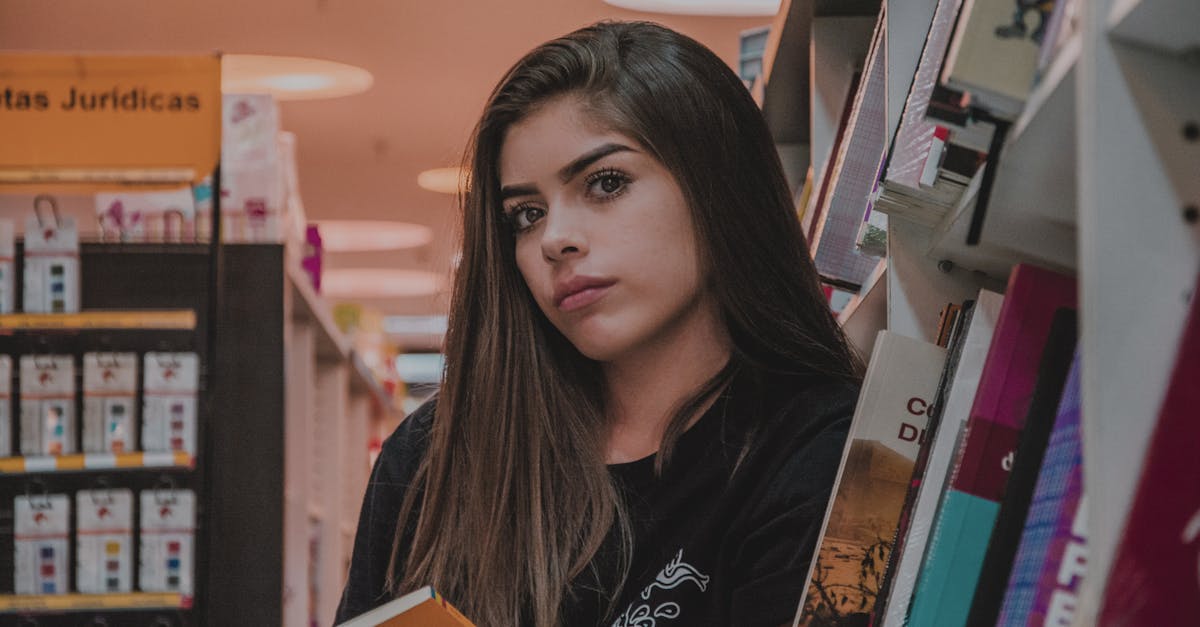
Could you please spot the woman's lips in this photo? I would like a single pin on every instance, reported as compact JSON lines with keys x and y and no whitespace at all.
{"x":580,"y":291}
{"x":582,"y":298}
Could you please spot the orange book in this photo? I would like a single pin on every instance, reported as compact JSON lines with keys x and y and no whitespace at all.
{"x":421,"y":608}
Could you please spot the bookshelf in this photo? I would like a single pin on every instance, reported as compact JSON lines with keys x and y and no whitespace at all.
{"x":1094,"y":180}
{"x":1167,"y":25}
{"x":1137,"y":255}
{"x":333,"y":405}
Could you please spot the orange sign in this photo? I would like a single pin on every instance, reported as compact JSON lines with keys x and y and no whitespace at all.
{"x":105,"y":121}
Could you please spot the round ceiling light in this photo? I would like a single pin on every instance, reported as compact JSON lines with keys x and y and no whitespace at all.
{"x":291,"y":78}
{"x":367,"y":283}
{"x":340,"y":236}
{"x":443,"y":180}
{"x":702,"y":7}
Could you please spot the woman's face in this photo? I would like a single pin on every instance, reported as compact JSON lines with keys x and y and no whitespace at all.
{"x":603,"y":236}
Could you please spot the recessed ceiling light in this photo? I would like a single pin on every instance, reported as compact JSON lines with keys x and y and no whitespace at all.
{"x":363,"y":235}
{"x":701,"y":7}
{"x":291,"y":78}
{"x":444,"y":180}
{"x":367,"y":283}
{"x":298,"y":82}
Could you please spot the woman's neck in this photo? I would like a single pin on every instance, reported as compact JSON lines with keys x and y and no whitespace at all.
{"x":647,"y":386}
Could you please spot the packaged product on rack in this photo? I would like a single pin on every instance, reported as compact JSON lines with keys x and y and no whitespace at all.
{"x":103,"y":541}
{"x":252,"y":176}
{"x":168,"y":527}
{"x":41,"y":533}
{"x":6,"y":422}
{"x":8,"y":286}
{"x":51,"y":276}
{"x":109,"y":402}
{"x":158,"y":216}
{"x":47,"y":404}
{"x":313,"y":253}
{"x":169,"y":407}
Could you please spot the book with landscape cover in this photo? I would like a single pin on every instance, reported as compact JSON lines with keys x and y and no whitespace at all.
{"x":1155,"y":575}
{"x":1039,"y":422}
{"x":421,"y":608}
{"x":964,"y":521}
{"x":872,"y":479}
{"x":941,"y":439}
{"x":1052,"y":555}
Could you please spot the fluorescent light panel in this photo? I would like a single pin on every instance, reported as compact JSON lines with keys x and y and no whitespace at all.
{"x":420,"y":367}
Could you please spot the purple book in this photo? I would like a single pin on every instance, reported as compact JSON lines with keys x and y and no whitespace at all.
{"x":1052,"y":554}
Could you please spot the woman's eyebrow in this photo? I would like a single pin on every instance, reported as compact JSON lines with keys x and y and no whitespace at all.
{"x":573,"y":168}
{"x":568,"y":171}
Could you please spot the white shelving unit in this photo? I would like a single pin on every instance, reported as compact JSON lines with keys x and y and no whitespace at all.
{"x":1137,"y":256}
{"x":333,"y":405}
{"x":1093,"y":181}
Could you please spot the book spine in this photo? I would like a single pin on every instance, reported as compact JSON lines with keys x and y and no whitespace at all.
{"x":1050,"y":534}
{"x":970,"y":506}
{"x":956,"y":336}
{"x":946,"y":443}
{"x":1039,"y":422}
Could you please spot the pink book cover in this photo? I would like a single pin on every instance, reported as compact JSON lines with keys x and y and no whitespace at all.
{"x":1008,"y":378}
{"x":1155,"y":576}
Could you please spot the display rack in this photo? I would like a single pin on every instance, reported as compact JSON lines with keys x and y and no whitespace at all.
{"x":1095,"y":180}
{"x":136,"y":299}
{"x":132,"y":297}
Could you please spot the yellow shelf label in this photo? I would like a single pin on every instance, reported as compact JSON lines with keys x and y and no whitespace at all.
{"x":183,"y":319}
{"x":95,"y":461}
{"x":66,"y":602}
{"x":71,"y":462}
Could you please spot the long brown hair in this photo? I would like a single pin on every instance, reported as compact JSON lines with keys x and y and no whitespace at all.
{"x":513,"y":498}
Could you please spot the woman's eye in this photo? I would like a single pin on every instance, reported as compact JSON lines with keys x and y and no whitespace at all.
{"x":607,"y":184}
{"x":525,"y":216}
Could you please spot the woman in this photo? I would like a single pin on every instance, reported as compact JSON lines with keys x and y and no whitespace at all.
{"x":646,"y":396}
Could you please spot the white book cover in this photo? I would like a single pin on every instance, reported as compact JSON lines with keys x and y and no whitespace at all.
{"x":954,"y":418}
{"x":994,"y":53}
{"x":872,"y":481}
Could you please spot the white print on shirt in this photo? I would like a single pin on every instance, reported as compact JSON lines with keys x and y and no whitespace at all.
{"x":673,"y":575}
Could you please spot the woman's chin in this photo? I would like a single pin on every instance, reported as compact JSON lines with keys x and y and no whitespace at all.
{"x":598,"y":345}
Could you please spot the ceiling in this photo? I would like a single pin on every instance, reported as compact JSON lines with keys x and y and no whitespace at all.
{"x":434,"y":64}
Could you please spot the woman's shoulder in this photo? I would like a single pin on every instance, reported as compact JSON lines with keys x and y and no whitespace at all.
{"x":403,"y":450}
{"x":801,"y":442}
{"x":808,"y":405}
